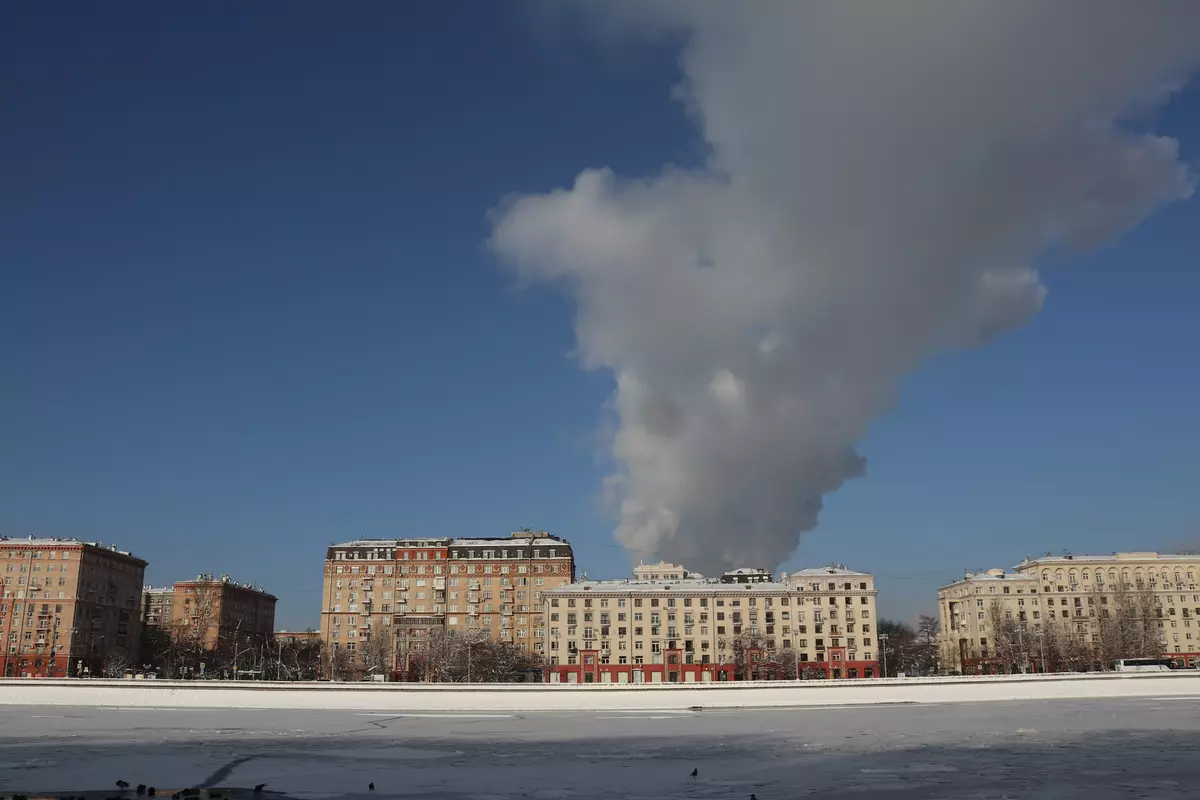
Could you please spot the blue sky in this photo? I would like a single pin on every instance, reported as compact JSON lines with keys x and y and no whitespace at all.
{"x":245,"y":310}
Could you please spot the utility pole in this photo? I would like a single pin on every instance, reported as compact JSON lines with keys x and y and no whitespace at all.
{"x":883,"y":637}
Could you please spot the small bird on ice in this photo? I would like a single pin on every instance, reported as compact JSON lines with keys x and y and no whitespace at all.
{"x":371,"y":786}
{"x":258,"y":789}
{"x":753,"y":797}
{"x":122,"y":785}
{"x":141,"y":788}
{"x":695,"y":772}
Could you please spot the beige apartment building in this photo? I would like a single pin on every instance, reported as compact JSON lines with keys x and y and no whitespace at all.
{"x":383,"y":598}
{"x":670,"y":625}
{"x":157,"y":604}
{"x":68,"y":608}
{"x":1087,"y":610}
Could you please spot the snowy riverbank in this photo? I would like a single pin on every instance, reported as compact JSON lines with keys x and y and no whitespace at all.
{"x":595,"y":697}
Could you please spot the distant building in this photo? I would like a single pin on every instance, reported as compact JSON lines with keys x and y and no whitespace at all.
{"x":216,"y":610}
{"x":747,"y":575}
{"x":297,"y":637}
{"x":69,"y":608}
{"x":680,"y":627}
{"x":994,"y":621}
{"x":157,"y":605}
{"x":411,"y":588}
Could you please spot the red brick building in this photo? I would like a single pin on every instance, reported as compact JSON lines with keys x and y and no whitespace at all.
{"x":68,"y":608}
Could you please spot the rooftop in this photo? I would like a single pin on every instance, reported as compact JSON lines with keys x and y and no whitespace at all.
{"x":536,"y":540}
{"x":991,"y":575}
{"x":1118,"y":556}
{"x":832,"y":569}
{"x":417,"y":542}
{"x":224,"y":580}
{"x":53,"y":541}
{"x":518,"y":537}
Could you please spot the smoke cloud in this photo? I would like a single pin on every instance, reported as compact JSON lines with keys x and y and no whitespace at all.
{"x":881,"y":180}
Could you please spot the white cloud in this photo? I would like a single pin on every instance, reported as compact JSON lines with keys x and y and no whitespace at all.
{"x":882,"y":176}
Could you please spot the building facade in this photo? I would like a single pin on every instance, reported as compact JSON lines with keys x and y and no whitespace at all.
{"x":383,"y":598}
{"x":69,"y":608}
{"x":674,"y":626}
{"x":496,"y":585}
{"x":390,"y":591}
{"x":218,"y":611}
{"x":996,"y":621}
{"x":157,"y":604}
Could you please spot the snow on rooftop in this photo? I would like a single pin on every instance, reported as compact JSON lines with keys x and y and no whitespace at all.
{"x":54,"y":541}
{"x":1113,"y":557}
{"x":500,"y":543}
{"x":394,"y":543}
{"x":832,"y":569}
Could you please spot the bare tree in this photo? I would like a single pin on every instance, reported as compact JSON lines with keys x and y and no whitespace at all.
{"x":472,"y":656}
{"x":340,"y":664}
{"x":379,"y":653}
{"x":786,"y":662}
{"x":745,"y":648}
{"x":897,"y":641}
{"x":925,"y":648}
{"x":1007,"y":638}
{"x":116,"y":665}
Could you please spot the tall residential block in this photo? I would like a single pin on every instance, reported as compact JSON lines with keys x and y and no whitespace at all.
{"x":69,"y":608}
{"x":672,"y":625}
{"x":407,"y":589}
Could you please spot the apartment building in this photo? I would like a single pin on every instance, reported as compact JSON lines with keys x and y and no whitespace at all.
{"x":69,"y":608}
{"x":219,"y":611}
{"x":411,"y":588}
{"x":157,"y":605}
{"x":987,"y":616}
{"x":393,"y":586}
{"x":671,"y":625}
{"x":496,"y":585}
{"x":963,"y":608}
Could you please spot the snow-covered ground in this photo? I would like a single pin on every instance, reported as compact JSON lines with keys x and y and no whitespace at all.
{"x":507,"y":698}
{"x":1104,"y":748}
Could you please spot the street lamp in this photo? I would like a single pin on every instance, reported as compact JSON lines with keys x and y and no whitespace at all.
{"x":883,"y":640}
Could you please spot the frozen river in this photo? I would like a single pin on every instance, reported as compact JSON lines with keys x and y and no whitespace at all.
{"x":1135,"y":748}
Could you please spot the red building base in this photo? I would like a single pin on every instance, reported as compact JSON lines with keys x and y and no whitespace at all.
{"x":29,"y":665}
{"x":675,"y":669}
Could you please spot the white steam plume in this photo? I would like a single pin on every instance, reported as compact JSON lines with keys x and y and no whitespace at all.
{"x":882,"y":176}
